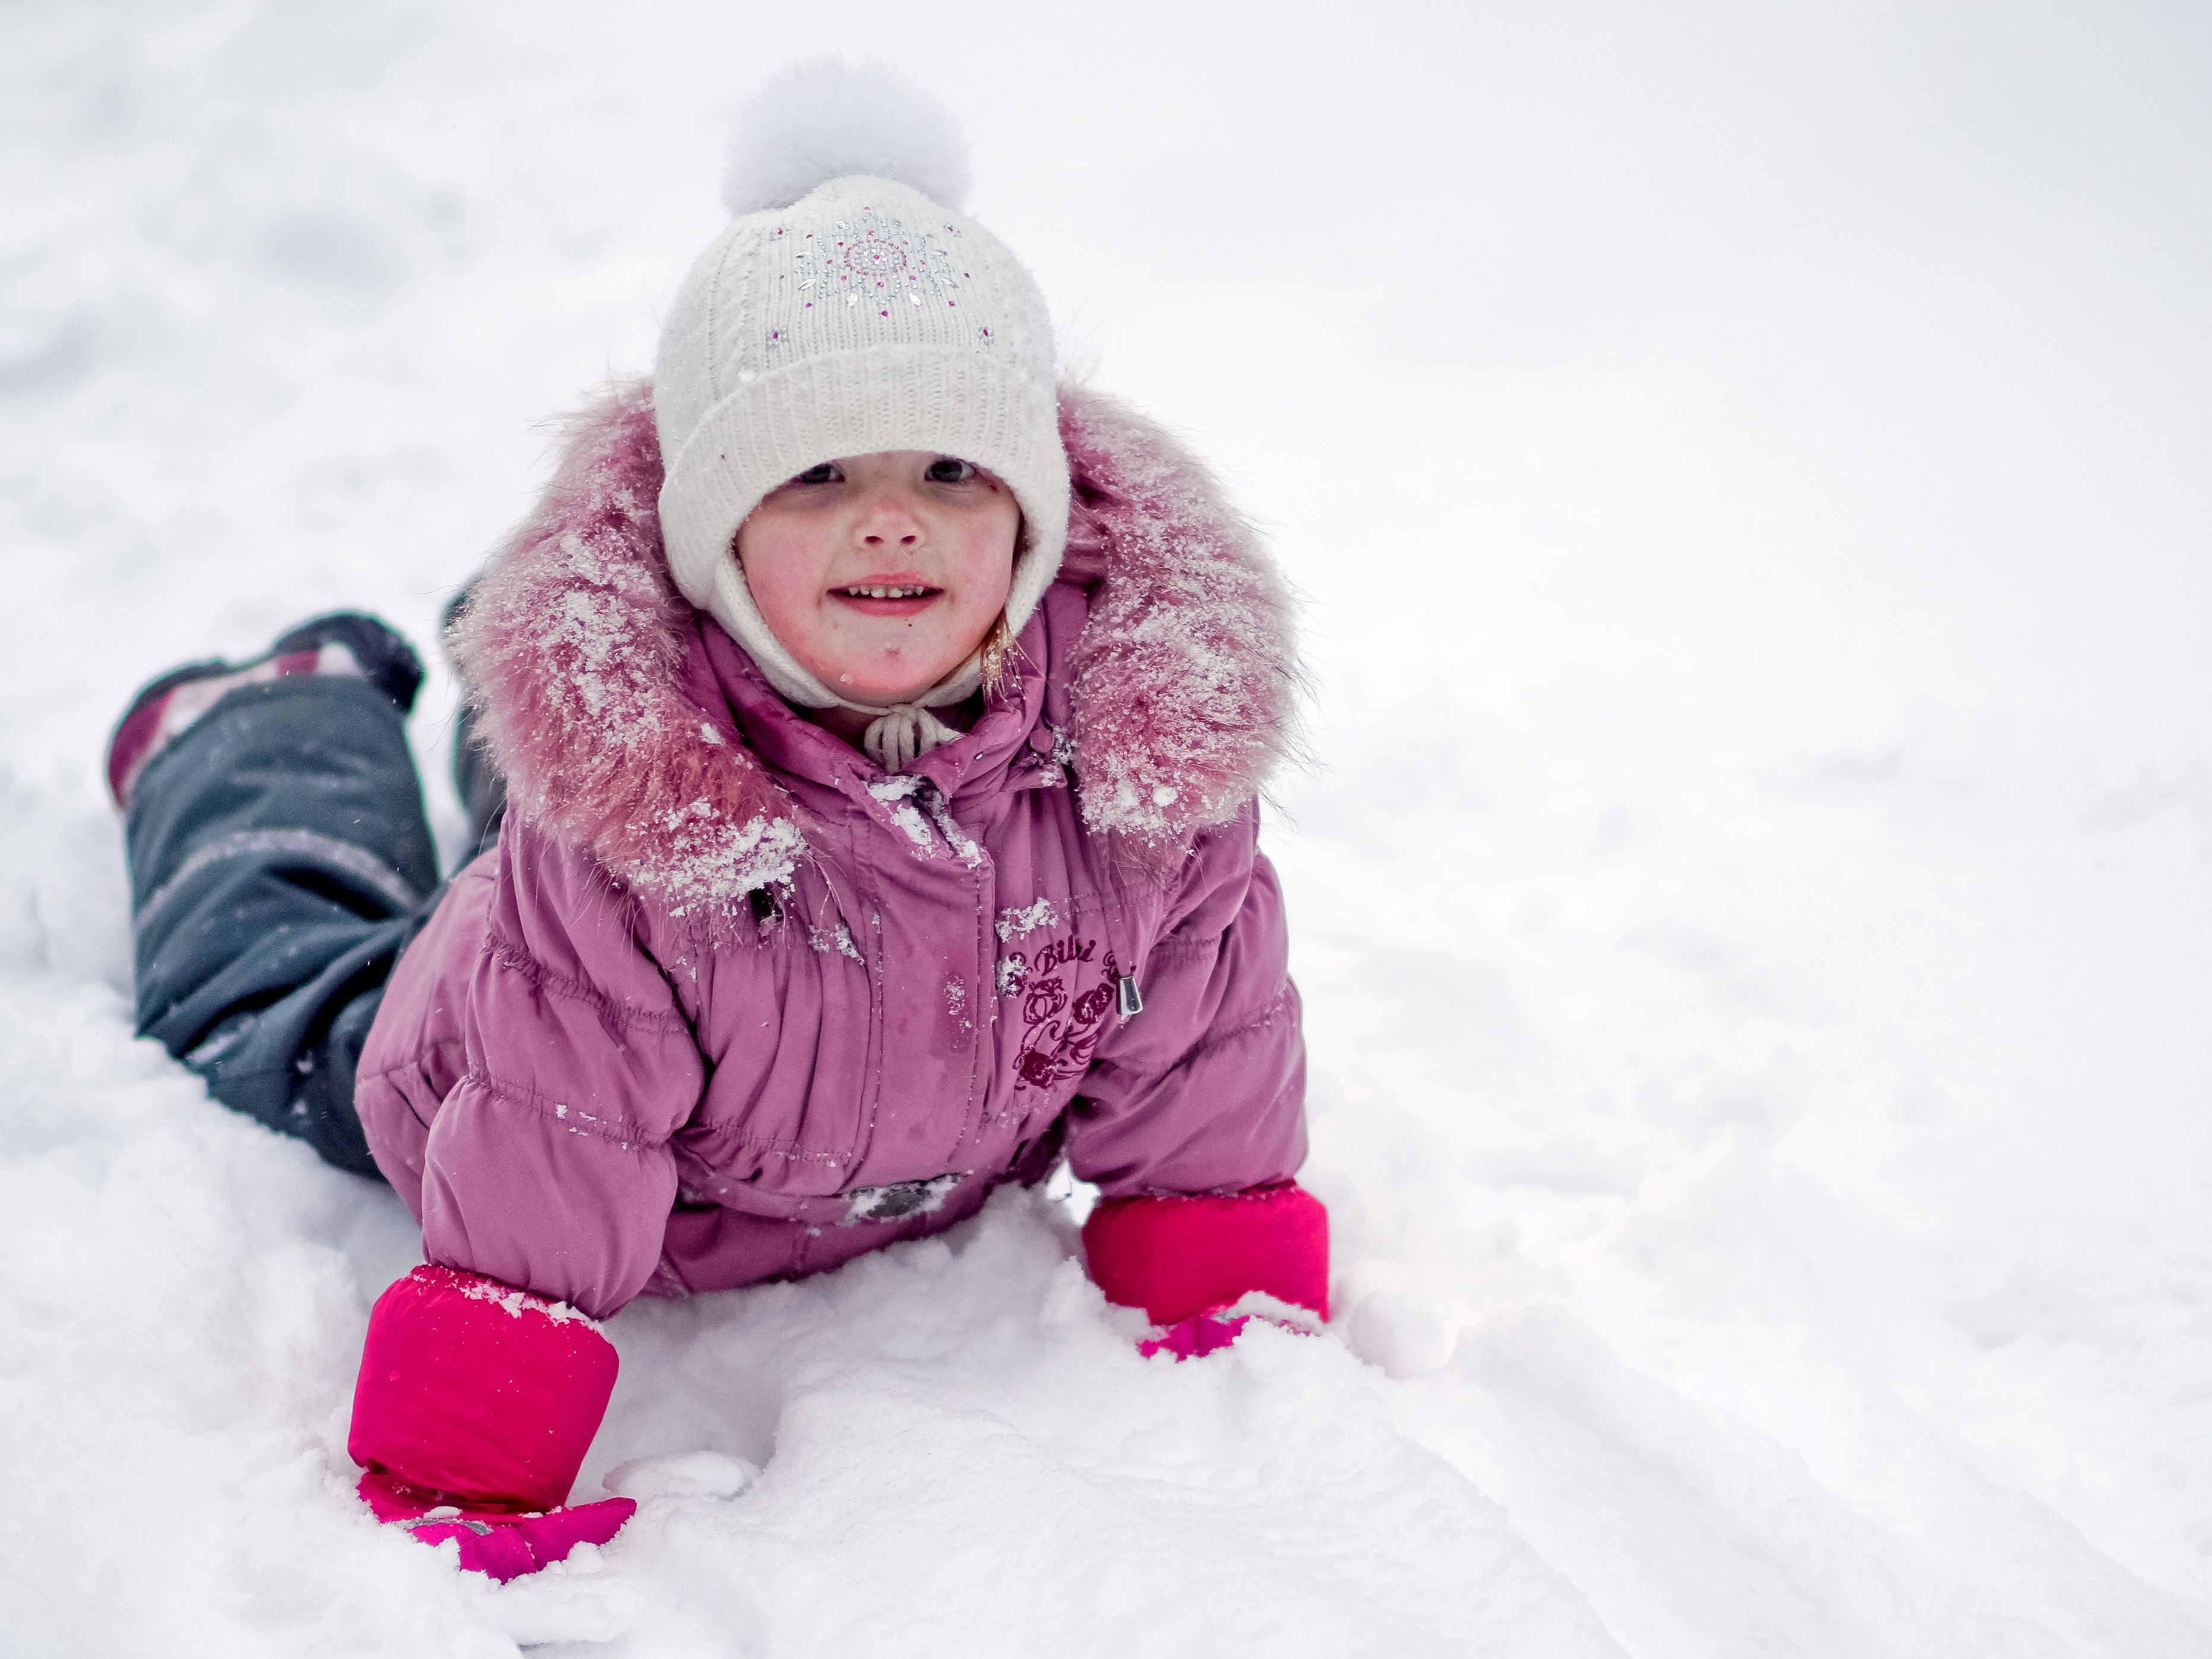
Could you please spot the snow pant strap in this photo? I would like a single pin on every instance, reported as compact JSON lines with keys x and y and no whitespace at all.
{"x":280,"y":861}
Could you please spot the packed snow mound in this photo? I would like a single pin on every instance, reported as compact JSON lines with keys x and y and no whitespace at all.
{"x":827,"y":118}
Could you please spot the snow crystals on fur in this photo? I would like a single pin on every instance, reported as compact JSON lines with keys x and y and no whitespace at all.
{"x":825,"y":120}
{"x":1182,"y":687}
{"x":573,"y":641}
{"x":1187,"y":683}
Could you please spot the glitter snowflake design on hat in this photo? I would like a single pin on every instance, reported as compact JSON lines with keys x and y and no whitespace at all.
{"x":874,"y":260}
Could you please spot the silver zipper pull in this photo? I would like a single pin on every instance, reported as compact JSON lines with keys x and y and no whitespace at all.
{"x":1133,"y":1001}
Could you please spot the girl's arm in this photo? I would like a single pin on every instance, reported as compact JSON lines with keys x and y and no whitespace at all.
{"x":549,"y":1167}
{"x":1192,"y":1120}
{"x":543,"y":1184}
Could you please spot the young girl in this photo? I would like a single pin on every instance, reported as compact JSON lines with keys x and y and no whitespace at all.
{"x":880,"y":726}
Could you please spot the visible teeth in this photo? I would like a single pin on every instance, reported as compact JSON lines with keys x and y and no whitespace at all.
{"x":885,"y":592}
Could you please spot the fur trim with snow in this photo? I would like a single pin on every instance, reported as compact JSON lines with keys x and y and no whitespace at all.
{"x":1182,"y":686}
{"x":573,"y":641}
{"x":1185,"y":683}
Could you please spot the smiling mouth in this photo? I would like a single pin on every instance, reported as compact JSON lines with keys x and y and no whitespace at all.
{"x":910,"y":590}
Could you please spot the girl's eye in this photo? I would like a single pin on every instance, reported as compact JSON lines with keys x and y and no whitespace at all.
{"x":826,"y":473}
{"x":947,"y":468}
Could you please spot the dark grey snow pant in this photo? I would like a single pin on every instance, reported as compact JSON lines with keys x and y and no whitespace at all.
{"x":280,"y":861}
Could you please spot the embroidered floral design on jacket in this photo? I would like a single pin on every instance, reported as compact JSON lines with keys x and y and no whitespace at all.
{"x":1062,"y":1024}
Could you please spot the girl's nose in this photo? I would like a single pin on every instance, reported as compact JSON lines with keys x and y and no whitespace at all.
{"x":889,"y":519}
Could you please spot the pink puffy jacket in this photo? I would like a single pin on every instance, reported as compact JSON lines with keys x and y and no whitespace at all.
{"x":727,"y":1003}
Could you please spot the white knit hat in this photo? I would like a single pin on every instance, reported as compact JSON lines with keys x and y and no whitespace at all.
{"x":850,"y":308}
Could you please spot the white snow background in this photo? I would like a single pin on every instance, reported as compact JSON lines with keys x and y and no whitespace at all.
{"x":1748,"y":467}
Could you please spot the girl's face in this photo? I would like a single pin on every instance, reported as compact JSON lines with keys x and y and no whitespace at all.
{"x":881,"y":573}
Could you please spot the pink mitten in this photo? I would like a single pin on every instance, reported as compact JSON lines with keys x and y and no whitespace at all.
{"x":1185,"y":1260}
{"x":1197,"y":1335}
{"x":481,"y":1400}
{"x":493,"y":1542}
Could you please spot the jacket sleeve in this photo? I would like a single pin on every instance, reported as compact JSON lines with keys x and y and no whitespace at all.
{"x":1203,"y":1091}
{"x":547,"y":1167}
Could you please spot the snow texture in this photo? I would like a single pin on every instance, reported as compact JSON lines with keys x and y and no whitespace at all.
{"x":1019,"y":921}
{"x":515,"y":1303}
{"x":957,"y":839}
{"x":1753,"y":907}
{"x":895,"y":793}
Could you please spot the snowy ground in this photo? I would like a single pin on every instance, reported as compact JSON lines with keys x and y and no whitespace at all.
{"x":1755,"y":903}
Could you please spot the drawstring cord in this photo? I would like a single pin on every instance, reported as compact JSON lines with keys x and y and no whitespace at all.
{"x":903,"y":735}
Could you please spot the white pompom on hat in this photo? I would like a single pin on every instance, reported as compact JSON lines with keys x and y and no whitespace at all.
{"x":849,"y":308}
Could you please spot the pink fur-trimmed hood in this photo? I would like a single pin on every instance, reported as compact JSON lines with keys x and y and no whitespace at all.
{"x":1182,"y":688}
